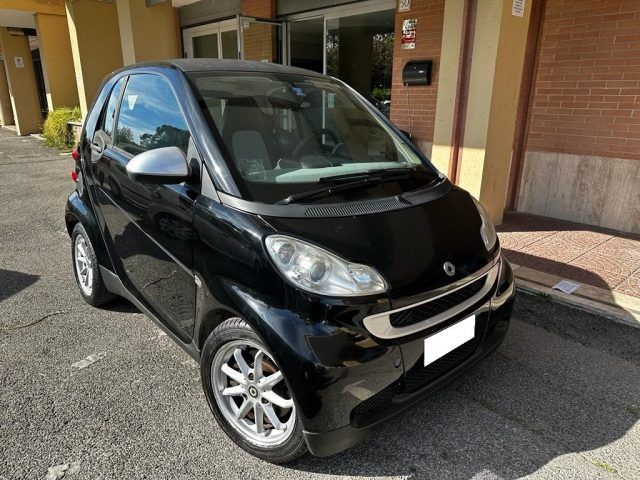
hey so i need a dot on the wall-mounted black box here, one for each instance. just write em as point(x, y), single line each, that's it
point(417, 72)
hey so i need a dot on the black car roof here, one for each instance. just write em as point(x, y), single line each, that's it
point(218, 65)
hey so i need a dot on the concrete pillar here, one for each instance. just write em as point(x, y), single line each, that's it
point(448, 84)
point(21, 80)
point(95, 45)
point(147, 32)
point(6, 112)
point(489, 104)
point(57, 61)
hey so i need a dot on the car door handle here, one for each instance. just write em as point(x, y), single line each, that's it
point(95, 148)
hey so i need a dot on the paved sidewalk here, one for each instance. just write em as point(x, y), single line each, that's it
point(605, 262)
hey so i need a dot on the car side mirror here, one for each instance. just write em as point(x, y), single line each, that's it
point(164, 165)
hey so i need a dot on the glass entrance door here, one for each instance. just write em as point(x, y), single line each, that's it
point(259, 40)
point(354, 44)
point(215, 40)
point(206, 46)
point(306, 44)
point(359, 51)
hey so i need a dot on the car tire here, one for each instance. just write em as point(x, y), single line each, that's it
point(87, 269)
point(230, 336)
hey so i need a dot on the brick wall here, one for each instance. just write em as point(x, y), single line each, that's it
point(259, 40)
point(587, 87)
point(259, 8)
point(421, 99)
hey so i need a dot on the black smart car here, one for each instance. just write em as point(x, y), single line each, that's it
point(293, 241)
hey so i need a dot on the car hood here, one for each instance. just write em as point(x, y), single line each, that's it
point(408, 247)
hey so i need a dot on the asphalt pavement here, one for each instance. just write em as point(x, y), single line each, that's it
point(559, 399)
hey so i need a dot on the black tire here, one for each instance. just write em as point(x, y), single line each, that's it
point(237, 329)
point(99, 294)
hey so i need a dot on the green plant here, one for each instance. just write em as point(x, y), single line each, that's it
point(55, 130)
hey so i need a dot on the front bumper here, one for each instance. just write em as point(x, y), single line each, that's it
point(418, 381)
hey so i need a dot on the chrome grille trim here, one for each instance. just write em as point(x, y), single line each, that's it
point(380, 326)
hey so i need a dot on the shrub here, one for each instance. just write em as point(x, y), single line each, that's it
point(55, 130)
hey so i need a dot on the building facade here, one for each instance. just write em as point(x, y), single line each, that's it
point(531, 105)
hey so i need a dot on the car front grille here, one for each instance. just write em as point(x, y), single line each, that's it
point(410, 316)
point(418, 376)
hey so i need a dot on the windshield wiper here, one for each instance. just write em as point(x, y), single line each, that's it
point(383, 172)
point(328, 191)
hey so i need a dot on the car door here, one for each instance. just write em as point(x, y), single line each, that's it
point(149, 227)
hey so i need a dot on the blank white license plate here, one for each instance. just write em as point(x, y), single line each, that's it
point(441, 343)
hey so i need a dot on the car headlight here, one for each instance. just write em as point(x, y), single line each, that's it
point(318, 271)
point(487, 229)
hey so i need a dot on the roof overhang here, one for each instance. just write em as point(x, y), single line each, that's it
point(16, 19)
point(55, 7)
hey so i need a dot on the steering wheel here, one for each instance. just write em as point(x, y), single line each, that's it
point(315, 134)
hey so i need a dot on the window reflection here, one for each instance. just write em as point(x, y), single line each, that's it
point(359, 50)
point(109, 114)
point(150, 117)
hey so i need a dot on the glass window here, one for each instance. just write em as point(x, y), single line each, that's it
point(306, 41)
point(205, 46)
point(282, 132)
point(150, 117)
point(109, 114)
point(359, 51)
point(229, 44)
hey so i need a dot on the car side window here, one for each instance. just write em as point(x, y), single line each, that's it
point(110, 112)
point(150, 116)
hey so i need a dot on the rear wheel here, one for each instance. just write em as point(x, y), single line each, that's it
point(87, 270)
point(249, 395)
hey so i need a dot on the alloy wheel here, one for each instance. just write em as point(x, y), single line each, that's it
point(251, 393)
point(84, 266)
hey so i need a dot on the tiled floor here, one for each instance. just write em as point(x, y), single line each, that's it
point(585, 254)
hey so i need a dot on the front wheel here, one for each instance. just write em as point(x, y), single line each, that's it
point(249, 395)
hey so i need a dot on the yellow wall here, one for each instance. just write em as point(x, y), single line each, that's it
point(496, 72)
point(485, 51)
point(95, 45)
point(447, 84)
point(507, 80)
point(22, 83)
point(57, 61)
point(147, 33)
point(6, 112)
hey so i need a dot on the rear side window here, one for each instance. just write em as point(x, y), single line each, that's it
point(109, 114)
point(150, 117)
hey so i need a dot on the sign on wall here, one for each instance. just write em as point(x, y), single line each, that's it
point(408, 39)
point(404, 5)
point(19, 61)
point(517, 8)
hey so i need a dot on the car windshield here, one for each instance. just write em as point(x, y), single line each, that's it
point(283, 134)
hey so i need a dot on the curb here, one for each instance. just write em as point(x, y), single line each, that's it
point(617, 314)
